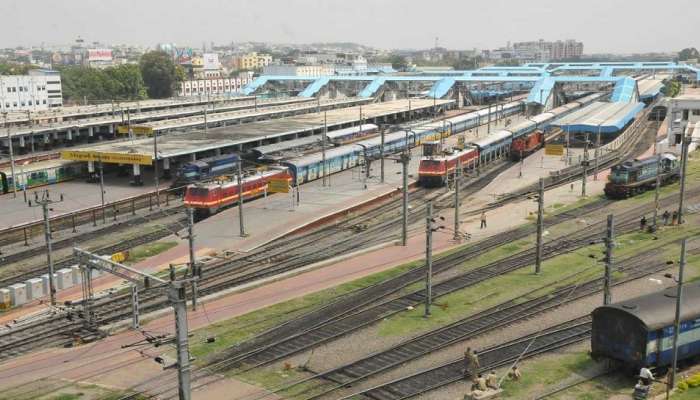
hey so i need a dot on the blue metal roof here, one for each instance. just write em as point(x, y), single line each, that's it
point(441, 87)
point(372, 88)
point(625, 91)
point(314, 87)
point(606, 117)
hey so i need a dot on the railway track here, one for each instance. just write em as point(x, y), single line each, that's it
point(485, 321)
point(548, 340)
point(122, 245)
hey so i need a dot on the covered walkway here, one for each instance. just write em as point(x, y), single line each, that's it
point(609, 118)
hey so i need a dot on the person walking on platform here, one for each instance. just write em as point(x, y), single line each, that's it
point(665, 216)
point(483, 219)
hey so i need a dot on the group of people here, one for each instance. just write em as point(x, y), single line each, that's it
point(482, 383)
point(664, 217)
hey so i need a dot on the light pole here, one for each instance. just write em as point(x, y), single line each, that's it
point(323, 146)
point(677, 319)
point(684, 169)
point(12, 157)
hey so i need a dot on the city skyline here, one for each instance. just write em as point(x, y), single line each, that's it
point(385, 24)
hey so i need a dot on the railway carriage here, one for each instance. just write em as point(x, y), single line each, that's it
point(639, 332)
point(205, 168)
point(40, 173)
point(434, 171)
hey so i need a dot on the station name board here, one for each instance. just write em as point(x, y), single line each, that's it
point(112, 158)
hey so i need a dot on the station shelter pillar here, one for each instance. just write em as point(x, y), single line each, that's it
point(137, 176)
point(21, 142)
point(166, 168)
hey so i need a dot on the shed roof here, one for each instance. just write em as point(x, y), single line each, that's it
point(606, 117)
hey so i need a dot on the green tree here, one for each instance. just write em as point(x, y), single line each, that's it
point(15, 68)
point(688, 54)
point(159, 74)
point(123, 82)
point(398, 62)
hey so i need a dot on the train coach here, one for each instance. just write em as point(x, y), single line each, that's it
point(209, 198)
point(637, 176)
point(40, 173)
point(437, 165)
point(639, 332)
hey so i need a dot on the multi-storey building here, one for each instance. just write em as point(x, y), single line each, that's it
point(253, 61)
point(212, 86)
point(40, 90)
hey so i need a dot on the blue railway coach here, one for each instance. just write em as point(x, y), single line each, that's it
point(639, 331)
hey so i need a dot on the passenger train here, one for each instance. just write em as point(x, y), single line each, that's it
point(309, 167)
point(523, 138)
point(639, 332)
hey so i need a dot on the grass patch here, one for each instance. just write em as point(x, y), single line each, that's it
point(236, 330)
point(522, 285)
point(690, 394)
point(147, 250)
point(274, 379)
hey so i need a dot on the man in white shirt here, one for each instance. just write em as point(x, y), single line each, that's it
point(646, 376)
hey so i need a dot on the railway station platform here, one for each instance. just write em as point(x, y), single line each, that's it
point(47, 135)
point(176, 148)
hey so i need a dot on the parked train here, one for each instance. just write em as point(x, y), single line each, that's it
point(206, 168)
point(639, 332)
point(524, 136)
point(310, 167)
point(40, 173)
point(208, 198)
point(637, 176)
point(276, 151)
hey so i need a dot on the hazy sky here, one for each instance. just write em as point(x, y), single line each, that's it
point(622, 26)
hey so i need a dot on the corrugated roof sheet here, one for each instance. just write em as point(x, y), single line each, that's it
point(608, 117)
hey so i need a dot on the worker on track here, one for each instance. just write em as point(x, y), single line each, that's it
point(492, 380)
point(471, 363)
point(646, 376)
point(643, 222)
point(515, 373)
point(480, 384)
point(483, 219)
point(665, 216)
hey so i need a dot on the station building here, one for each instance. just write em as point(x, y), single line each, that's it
point(40, 90)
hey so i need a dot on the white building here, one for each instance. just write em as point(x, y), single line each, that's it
point(684, 119)
point(40, 90)
point(200, 87)
point(299, 70)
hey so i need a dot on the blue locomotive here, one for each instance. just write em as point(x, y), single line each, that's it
point(206, 168)
point(637, 176)
point(639, 332)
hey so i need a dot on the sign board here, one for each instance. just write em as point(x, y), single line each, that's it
point(112, 158)
point(99, 55)
point(554, 150)
point(120, 256)
point(211, 61)
point(278, 185)
point(136, 129)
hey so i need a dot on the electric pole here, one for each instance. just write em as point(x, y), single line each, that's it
point(323, 148)
point(609, 245)
point(194, 270)
point(240, 199)
point(102, 191)
point(677, 321)
point(540, 227)
point(584, 164)
point(428, 258)
point(597, 154)
point(656, 189)
point(381, 154)
point(458, 172)
point(684, 168)
point(405, 158)
point(155, 167)
point(12, 158)
point(44, 203)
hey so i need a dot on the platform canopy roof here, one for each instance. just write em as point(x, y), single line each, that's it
point(600, 117)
